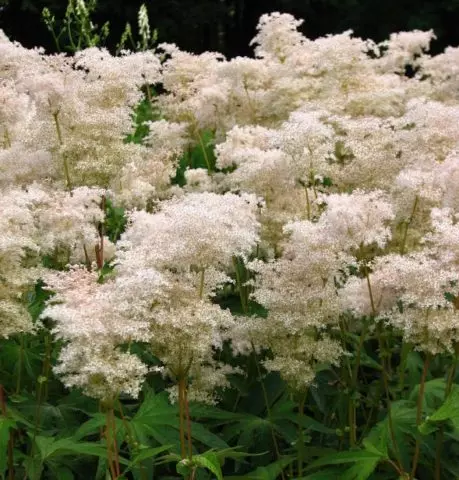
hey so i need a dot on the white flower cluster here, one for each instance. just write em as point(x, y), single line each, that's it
point(335, 182)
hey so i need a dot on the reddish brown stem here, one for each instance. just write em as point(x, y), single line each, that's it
point(11, 437)
point(188, 423)
point(182, 387)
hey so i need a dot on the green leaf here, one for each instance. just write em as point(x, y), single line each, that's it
point(91, 426)
point(5, 425)
point(434, 393)
point(329, 474)
point(209, 461)
point(49, 447)
point(206, 437)
point(448, 411)
point(403, 415)
point(148, 452)
point(33, 467)
point(206, 411)
point(361, 470)
point(346, 457)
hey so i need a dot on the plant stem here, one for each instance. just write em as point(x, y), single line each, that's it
point(355, 372)
point(11, 435)
point(419, 415)
point(203, 149)
point(133, 446)
point(384, 375)
point(406, 348)
point(42, 392)
point(20, 363)
point(112, 447)
point(308, 203)
point(242, 292)
point(407, 225)
point(440, 434)
point(181, 388)
point(201, 283)
point(268, 409)
point(188, 425)
point(7, 138)
point(300, 434)
point(64, 158)
point(149, 97)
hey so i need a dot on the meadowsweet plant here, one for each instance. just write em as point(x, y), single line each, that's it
point(242, 268)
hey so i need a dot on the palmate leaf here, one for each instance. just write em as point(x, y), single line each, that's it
point(434, 394)
point(49, 447)
point(449, 410)
point(158, 419)
point(403, 415)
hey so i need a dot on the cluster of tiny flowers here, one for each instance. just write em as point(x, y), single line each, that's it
point(335, 183)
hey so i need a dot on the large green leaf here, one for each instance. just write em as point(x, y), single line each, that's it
point(346, 457)
point(448, 411)
point(209, 460)
point(50, 447)
point(403, 420)
point(361, 470)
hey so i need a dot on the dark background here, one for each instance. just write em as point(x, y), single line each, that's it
point(228, 25)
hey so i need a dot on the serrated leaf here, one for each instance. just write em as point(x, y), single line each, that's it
point(434, 393)
point(449, 410)
point(209, 461)
point(361, 470)
point(403, 415)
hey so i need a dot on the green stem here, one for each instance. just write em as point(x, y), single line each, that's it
point(188, 425)
point(406, 348)
point(69, 32)
point(268, 409)
point(56, 40)
point(440, 434)
point(301, 435)
point(355, 371)
point(201, 283)
point(419, 416)
point(253, 113)
point(149, 97)
point(64, 158)
point(7, 138)
point(308, 203)
point(181, 395)
point(242, 291)
point(110, 438)
point(20, 363)
point(203, 149)
point(407, 225)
